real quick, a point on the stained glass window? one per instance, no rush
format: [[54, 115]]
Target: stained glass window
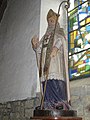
[[79, 39]]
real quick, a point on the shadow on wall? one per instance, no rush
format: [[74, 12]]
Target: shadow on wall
[[3, 5]]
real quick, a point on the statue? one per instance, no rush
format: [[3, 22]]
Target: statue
[[53, 65]]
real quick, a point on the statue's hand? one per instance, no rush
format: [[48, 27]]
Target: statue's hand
[[54, 52], [35, 42]]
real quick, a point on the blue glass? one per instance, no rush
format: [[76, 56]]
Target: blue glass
[[88, 28], [73, 71], [86, 61], [88, 8]]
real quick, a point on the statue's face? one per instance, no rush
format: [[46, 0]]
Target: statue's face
[[52, 21]]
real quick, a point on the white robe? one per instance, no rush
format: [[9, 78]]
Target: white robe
[[59, 64]]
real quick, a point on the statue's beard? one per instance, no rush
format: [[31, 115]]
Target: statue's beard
[[51, 27], [58, 30]]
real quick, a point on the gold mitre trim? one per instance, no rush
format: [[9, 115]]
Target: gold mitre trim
[[51, 13]]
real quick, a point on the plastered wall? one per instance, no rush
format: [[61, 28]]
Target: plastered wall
[[18, 73]]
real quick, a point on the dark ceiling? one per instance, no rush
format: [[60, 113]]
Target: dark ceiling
[[3, 5], [1, 2]]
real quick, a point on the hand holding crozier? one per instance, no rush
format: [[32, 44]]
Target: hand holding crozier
[[54, 52]]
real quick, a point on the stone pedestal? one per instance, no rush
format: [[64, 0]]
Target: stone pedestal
[[56, 118], [55, 115]]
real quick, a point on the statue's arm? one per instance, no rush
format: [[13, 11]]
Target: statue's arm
[[58, 42], [56, 46], [37, 46]]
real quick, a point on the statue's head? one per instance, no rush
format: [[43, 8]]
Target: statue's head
[[52, 17]]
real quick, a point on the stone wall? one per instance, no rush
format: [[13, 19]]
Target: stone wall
[[23, 109], [18, 110], [80, 97]]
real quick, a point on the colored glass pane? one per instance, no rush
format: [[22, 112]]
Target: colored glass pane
[[79, 63], [79, 39], [88, 20], [78, 2], [82, 23], [87, 67], [72, 40], [88, 28]]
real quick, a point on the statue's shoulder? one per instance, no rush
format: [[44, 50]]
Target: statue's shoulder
[[58, 35]]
